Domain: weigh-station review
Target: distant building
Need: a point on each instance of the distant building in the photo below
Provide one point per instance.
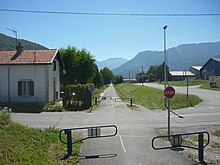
(180, 75)
(196, 70)
(211, 67)
(30, 75)
(129, 80)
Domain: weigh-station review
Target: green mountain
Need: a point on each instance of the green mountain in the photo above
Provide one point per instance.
(8, 43)
(181, 57)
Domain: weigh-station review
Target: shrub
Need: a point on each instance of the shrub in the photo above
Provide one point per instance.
(4, 115)
(52, 108)
(23, 107)
(77, 97)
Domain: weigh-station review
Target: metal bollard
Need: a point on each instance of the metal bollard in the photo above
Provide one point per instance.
(131, 102)
(69, 142)
(200, 147)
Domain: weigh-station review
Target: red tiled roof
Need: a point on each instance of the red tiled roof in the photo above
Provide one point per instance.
(28, 57)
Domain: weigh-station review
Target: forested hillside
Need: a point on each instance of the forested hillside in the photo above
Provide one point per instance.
(181, 57)
(8, 43)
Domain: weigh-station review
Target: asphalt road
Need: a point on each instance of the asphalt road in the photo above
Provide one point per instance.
(136, 128)
(206, 113)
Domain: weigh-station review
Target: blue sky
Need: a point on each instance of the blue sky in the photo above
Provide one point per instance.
(112, 36)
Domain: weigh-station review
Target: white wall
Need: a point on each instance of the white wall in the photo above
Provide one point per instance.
(42, 75)
(54, 75)
(27, 72)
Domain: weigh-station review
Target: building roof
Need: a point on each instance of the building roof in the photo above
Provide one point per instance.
(216, 59)
(181, 73)
(28, 57)
(197, 67)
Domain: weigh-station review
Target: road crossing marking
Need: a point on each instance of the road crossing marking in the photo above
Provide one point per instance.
(113, 109)
(122, 144)
(202, 107)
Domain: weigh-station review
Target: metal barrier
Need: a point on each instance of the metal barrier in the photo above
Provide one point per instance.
(106, 97)
(130, 100)
(93, 132)
(176, 141)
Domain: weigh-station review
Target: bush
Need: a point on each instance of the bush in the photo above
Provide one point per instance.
(24, 107)
(77, 97)
(52, 108)
(4, 116)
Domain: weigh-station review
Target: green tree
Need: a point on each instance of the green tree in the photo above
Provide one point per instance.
(118, 79)
(156, 73)
(97, 80)
(85, 67)
(80, 66)
(68, 56)
(107, 75)
(141, 77)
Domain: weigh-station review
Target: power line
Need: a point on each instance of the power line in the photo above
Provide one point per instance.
(113, 14)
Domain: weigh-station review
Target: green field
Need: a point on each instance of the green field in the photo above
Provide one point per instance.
(192, 82)
(22, 145)
(204, 84)
(152, 98)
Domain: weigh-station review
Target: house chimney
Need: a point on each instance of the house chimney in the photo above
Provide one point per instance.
(19, 48)
(34, 56)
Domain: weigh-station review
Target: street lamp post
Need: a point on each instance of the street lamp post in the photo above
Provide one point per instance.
(165, 58)
(165, 79)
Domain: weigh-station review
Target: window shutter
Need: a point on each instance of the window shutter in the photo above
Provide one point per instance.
(32, 88)
(19, 88)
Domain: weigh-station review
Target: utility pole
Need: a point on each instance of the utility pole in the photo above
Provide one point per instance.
(142, 79)
(16, 33)
(129, 75)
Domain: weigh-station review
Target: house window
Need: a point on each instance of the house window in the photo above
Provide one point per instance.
(25, 88)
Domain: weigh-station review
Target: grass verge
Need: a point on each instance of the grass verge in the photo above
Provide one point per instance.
(183, 83)
(133, 107)
(152, 98)
(216, 133)
(22, 145)
(97, 93)
(211, 152)
(204, 84)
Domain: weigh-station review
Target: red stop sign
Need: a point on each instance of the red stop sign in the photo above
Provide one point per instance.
(169, 92)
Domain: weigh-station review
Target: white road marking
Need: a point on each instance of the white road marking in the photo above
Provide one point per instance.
(203, 114)
(55, 125)
(122, 144)
(202, 107)
(113, 109)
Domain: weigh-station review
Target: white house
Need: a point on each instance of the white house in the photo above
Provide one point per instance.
(30, 75)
